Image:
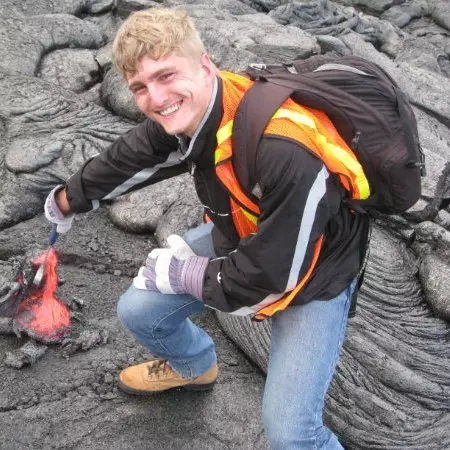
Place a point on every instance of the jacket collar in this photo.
(200, 149)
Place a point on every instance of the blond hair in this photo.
(156, 32)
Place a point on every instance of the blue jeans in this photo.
(306, 341)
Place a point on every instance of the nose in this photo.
(157, 95)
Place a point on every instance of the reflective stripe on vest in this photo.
(281, 304)
(311, 128)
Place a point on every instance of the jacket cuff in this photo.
(193, 275)
(75, 194)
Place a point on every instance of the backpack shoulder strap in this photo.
(263, 99)
(249, 123)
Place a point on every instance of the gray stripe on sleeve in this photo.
(316, 193)
(143, 175)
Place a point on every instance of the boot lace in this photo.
(159, 369)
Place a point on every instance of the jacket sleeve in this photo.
(298, 199)
(142, 156)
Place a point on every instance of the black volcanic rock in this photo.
(62, 103)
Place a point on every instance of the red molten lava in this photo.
(41, 314)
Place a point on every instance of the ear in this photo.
(208, 66)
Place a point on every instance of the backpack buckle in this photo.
(419, 164)
(258, 66)
(291, 68)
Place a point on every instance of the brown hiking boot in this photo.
(157, 376)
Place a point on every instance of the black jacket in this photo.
(299, 201)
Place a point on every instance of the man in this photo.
(284, 247)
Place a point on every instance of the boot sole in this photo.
(187, 387)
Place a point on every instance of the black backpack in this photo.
(366, 106)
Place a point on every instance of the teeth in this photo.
(170, 109)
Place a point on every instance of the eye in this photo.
(167, 76)
(136, 89)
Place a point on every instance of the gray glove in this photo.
(173, 270)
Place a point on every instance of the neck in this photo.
(212, 98)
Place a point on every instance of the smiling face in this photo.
(174, 90)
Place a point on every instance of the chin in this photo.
(173, 131)
(173, 127)
(170, 131)
(167, 127)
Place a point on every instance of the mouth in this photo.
(171, 109)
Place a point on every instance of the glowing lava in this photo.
(41, 314)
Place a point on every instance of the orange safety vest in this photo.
(311, 128)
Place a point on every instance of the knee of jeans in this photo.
(191, 238)
(199, 239)
(283, 431)
(276, 432)
(273, 428)
(132, 311)
(272, 423)
(283, 434)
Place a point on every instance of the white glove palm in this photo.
(54, 214)
(173, 270)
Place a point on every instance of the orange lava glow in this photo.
(41, 314)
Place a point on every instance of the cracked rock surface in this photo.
(69, 397)
(62, 103)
